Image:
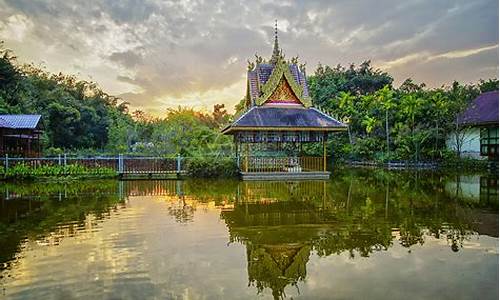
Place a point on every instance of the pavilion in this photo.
(20, 135)
(278, 118)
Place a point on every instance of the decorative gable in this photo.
(283, 94)
(281, 72)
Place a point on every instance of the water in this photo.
(364, 234)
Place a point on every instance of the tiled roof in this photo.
(253, 85)
(4, 124)
(264, 71)
(289, 117)
(482, 110)
(19, 121)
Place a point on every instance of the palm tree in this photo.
(411, 105)
(439, 109)
(385, 97)
(346, 103)
(370, 123)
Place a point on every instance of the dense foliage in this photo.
(386, 123)
(183, 131)
(79, 117)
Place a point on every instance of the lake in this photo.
(363, 234)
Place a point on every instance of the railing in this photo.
(261, 164)
(170, 165)
(120, 164)
(154, 165)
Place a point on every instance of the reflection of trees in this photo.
(181, 211)
(38, 208)
(357, 213)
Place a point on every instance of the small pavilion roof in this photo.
(289, 118)
(483, 110)
(19, 121)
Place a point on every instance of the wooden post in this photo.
(178, 164)
(237, 144)
(246, 157)
(120, 164)
(324, 155)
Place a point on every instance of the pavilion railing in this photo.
(263, 164)
(170, 165)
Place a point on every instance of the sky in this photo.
(159, 54)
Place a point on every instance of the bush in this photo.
(465, 163)
(53, 151)
(24, 171)
(210, 167)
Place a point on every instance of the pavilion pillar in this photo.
(324, 154)
(237, 152)
(246, 157)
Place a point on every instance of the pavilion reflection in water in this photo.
(277, 221)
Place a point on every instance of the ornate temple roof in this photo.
(278, 97)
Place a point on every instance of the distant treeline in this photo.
(388, 123)
(407, 122)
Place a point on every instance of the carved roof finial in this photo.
(276, 49)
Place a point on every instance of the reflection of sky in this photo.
(142, 251)
(430, 271)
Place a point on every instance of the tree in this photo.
(63, 122)
(460, 97)
(410, 108)
(346, 104)
(439, 110)
(370, 123)
(488, 85)
(326, 83)
(385, 97)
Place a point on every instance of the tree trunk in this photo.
(349, 133)
(387, 130)
(436, 139)
(458, 143)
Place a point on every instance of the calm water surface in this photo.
(364, 234)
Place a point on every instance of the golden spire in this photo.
(276, 49)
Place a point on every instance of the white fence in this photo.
(121, 164)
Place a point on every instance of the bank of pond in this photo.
(195, 167)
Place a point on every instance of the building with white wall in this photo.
(478, 137)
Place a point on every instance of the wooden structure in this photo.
(20, 135)
(278, 119)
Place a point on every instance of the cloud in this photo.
(464, 53)
(16, 27)
(156, 54)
